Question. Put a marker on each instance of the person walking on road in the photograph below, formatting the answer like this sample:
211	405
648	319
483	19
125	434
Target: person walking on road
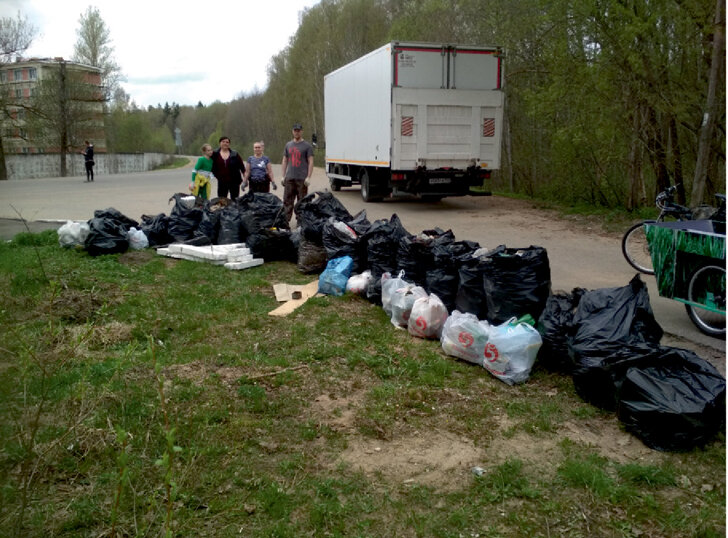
296	169
88	159
229	169
258	171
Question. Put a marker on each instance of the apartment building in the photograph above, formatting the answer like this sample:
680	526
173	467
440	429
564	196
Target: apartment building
20	84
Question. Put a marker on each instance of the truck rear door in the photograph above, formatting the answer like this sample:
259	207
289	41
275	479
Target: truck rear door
446	108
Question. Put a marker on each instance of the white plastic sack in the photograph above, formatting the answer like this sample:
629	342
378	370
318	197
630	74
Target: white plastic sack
344	229
428	317
187	202
389	285
511	351
73	233
359	283
403	299
465	336
137	239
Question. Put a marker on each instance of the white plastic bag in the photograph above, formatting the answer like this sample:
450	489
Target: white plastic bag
427	318
403	299
137	239
465	336
511	351
344	229
359	283
73	233
389	286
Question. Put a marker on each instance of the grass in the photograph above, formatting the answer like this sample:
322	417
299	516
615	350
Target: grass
175	162
141	396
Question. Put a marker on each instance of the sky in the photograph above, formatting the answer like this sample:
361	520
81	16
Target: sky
173	52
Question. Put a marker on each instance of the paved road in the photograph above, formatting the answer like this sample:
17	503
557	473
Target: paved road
579	257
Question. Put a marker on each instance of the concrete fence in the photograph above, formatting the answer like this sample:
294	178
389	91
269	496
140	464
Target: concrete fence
49	165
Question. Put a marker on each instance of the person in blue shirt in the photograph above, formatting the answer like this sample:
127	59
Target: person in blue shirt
258	171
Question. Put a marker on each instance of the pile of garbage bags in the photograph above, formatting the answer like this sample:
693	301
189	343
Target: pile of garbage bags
490	307
257	219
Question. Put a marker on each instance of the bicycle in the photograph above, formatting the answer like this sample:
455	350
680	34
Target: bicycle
634	242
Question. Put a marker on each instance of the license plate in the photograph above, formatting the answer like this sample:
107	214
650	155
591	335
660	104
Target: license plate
439	180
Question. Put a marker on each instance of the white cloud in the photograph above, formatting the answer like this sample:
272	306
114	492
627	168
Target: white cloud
182	52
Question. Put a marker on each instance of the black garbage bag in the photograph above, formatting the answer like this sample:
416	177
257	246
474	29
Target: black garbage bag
311	257
555	326
210	223
155	228
106	236
272	244
185	216
597	379
614	320
361	225
382	244
313	211
517	281
230	222
340	240
470	296
414	253
382	241
261	211
676	402
359	222
117	216
442	278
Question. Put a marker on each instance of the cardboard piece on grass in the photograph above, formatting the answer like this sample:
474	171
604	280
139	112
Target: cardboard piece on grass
286	292
307	291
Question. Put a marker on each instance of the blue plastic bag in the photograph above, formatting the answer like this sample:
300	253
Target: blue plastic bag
334	278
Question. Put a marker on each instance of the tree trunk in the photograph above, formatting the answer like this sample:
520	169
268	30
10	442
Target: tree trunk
507	151
63	115
711	108
637	195
677	161
656	146
3	169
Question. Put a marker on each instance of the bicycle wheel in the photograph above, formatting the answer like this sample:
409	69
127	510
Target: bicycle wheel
636	250
706	293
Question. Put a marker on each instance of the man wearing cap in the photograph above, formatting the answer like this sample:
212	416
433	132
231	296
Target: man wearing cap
296	169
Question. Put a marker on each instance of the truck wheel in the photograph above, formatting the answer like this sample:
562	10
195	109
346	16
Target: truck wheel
335	185
368	191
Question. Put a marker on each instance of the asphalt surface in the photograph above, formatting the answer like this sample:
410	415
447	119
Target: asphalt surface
579	257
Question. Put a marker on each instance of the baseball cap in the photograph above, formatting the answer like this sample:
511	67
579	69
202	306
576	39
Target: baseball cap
297	126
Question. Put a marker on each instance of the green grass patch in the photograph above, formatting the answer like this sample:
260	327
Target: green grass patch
147	396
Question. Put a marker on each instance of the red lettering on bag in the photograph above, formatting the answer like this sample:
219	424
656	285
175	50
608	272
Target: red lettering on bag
491	353
466	339
421	323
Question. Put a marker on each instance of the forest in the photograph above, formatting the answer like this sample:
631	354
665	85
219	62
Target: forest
607	101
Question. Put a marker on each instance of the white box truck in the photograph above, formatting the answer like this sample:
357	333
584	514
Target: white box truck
418	119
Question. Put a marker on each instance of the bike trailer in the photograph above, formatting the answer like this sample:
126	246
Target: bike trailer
681	249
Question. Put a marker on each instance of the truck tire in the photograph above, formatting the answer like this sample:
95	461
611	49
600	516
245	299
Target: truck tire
335	185
369	192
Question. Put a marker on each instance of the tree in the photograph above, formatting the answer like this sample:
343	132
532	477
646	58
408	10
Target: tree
93	47
66	108
711	108
16	35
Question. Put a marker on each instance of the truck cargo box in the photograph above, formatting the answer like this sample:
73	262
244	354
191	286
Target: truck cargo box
415	118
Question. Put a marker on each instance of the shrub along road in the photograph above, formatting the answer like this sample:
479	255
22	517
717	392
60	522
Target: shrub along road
580	254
